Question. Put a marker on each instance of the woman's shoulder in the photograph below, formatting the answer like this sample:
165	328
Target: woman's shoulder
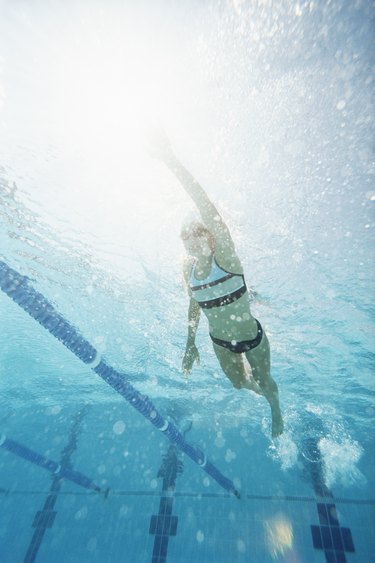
188	262
228	261
187	266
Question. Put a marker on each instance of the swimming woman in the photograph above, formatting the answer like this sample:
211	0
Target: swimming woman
216	285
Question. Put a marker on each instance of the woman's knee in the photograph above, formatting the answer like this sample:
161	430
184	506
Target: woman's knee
262	375
236	379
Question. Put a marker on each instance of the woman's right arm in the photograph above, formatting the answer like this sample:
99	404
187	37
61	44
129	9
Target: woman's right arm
191	352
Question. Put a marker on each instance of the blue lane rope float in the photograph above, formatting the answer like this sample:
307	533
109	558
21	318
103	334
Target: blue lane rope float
55	468
18	288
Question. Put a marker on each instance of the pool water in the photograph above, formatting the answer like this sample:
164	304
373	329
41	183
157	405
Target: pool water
270	106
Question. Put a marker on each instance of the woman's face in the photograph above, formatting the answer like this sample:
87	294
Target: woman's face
197	240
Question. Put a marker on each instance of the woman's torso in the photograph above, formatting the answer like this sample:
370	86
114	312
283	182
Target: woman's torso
224	299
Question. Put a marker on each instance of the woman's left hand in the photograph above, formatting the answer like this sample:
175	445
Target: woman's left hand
159	145
191	356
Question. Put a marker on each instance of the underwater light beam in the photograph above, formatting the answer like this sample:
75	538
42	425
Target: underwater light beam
108	96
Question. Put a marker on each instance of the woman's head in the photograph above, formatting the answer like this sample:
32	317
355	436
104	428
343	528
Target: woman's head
197	238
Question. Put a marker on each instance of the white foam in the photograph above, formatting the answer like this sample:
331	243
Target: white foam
285	451
340	460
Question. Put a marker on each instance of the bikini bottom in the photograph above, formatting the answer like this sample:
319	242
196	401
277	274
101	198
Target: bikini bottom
241	347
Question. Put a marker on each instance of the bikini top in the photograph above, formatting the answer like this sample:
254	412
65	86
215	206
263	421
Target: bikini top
219	288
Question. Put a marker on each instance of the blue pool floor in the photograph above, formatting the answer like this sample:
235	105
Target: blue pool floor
210	528
178	514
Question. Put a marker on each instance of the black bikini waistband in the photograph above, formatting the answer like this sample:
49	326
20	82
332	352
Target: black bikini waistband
225	300
241	347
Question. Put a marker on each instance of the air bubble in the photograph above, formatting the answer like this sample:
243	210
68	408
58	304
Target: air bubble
200	536
118	427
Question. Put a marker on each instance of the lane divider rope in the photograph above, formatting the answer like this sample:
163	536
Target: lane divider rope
19	289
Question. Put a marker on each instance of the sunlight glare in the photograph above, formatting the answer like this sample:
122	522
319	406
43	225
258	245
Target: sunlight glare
278	535
114	95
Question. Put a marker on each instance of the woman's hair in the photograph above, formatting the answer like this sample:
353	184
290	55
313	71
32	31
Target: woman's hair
196	228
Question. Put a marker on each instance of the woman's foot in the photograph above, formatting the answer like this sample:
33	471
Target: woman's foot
277	423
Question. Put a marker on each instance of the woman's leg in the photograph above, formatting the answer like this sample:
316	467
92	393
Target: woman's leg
260	361
236	369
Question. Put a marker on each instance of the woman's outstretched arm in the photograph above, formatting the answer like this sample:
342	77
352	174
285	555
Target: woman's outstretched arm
210	216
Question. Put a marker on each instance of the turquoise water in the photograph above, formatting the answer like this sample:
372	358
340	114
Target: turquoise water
270	106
